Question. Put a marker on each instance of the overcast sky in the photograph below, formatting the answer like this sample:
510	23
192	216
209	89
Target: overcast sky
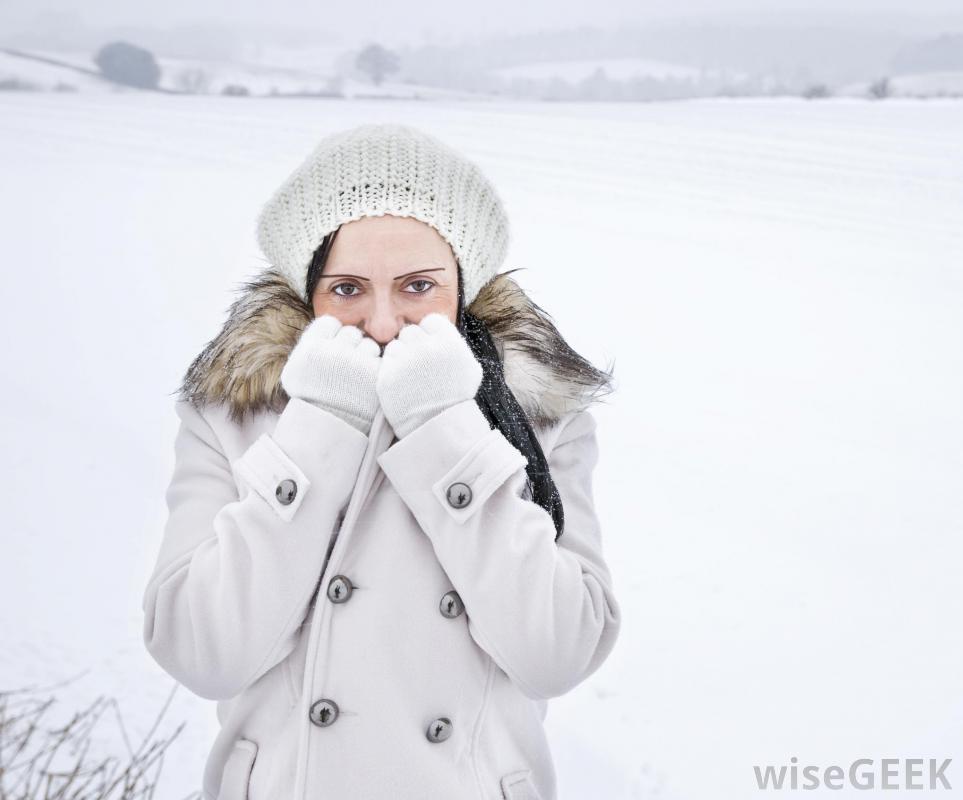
439	20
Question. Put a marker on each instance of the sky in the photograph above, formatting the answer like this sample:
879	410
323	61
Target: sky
425	21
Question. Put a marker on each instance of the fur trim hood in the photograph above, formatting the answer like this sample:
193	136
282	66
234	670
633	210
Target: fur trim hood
242	365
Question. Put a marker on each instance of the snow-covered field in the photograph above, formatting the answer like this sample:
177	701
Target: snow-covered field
781	285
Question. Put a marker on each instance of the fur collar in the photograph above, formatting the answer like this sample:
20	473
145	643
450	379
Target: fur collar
242	365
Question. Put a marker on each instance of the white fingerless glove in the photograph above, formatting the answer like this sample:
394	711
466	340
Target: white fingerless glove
335	366
429	367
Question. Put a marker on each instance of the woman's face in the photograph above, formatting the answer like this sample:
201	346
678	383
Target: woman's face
385	272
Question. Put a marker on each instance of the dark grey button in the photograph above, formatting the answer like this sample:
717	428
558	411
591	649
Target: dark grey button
324	712
459	495
439	730
451	605
286	491
339	589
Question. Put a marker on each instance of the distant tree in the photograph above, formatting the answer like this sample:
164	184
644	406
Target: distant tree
128	64
598	86
881	89
816	91
375	61
235	90
193	80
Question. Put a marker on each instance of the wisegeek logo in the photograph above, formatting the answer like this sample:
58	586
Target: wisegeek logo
863	773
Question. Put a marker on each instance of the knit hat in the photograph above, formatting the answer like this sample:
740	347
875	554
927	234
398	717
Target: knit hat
378	169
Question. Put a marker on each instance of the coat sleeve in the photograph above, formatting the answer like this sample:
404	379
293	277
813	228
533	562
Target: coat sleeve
237	570
543	610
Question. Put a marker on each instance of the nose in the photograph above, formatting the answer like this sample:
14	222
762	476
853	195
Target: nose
384	323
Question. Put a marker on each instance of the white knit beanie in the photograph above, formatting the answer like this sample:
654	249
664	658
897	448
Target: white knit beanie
378	169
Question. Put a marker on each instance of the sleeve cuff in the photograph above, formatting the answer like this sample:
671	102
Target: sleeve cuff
455	458
467	485
305	441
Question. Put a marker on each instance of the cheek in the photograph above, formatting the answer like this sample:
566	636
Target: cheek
441	304
344	313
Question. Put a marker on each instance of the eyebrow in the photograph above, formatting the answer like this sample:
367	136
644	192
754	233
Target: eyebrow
396	278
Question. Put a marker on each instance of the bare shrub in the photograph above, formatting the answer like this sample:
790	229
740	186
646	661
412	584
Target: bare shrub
235	90
816	91
193	80
15	84
881	89
40	761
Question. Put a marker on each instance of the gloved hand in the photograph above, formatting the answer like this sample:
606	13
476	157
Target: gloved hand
425	370
335	366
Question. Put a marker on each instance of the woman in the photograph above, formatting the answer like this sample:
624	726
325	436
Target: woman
382	556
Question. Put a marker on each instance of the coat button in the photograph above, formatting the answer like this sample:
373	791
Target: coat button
459	495
339	589
286	491
439	730
324	712
451	605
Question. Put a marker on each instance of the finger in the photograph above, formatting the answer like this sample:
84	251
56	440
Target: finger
411	334
436	322
350	334
369	347
393	349
325	326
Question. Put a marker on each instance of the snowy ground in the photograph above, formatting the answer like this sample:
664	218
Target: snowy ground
780	284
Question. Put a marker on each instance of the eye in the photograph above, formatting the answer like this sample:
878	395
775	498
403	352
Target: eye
423	281
344	285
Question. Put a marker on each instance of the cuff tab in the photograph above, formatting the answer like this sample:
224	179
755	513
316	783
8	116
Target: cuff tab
270	472
467	485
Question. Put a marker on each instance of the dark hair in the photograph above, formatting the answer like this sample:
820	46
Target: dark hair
494	398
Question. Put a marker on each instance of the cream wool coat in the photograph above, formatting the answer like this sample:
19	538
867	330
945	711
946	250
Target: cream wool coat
241	607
